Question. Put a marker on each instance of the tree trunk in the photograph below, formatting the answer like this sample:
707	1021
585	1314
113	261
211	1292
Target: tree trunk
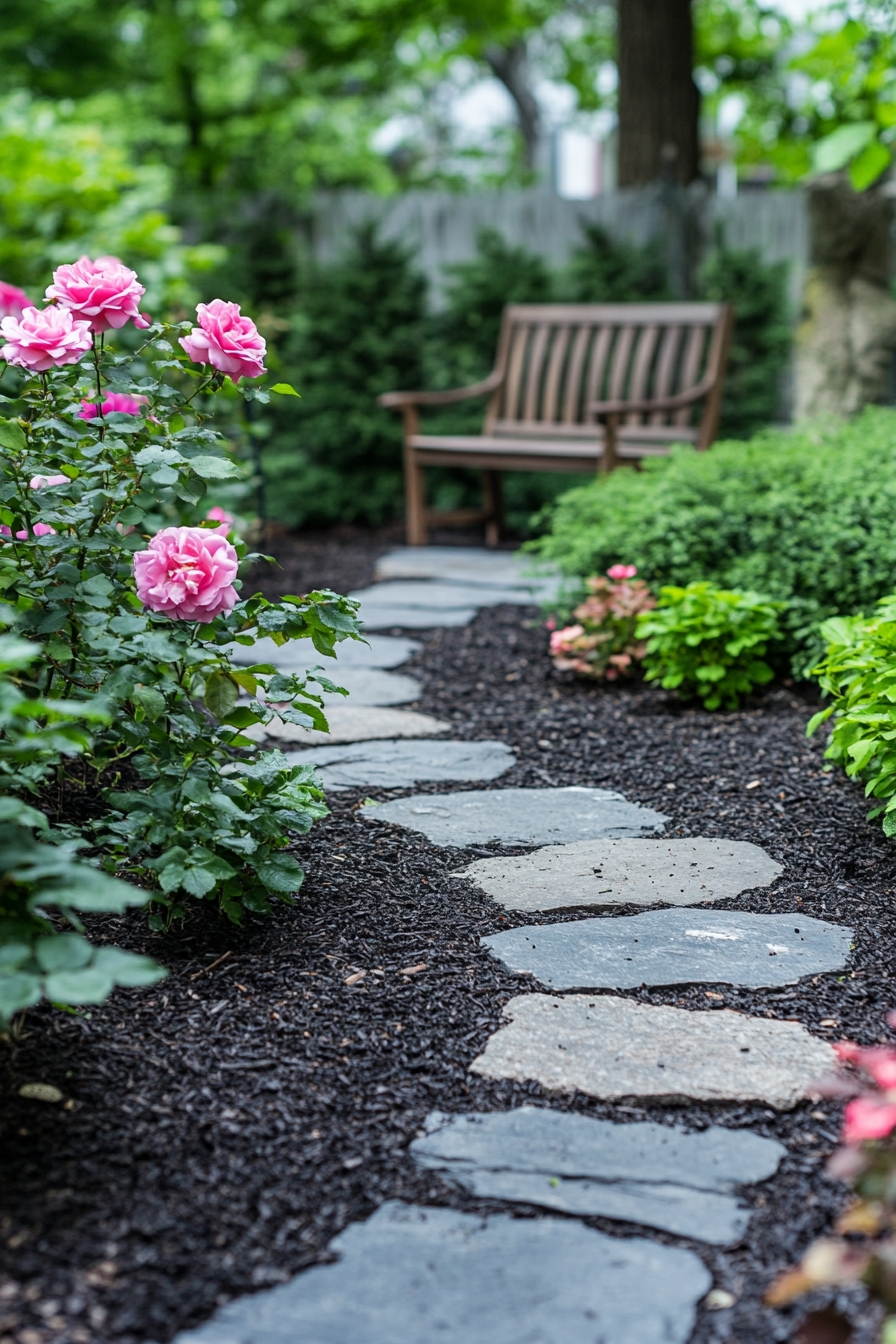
510	66
659	104
845	342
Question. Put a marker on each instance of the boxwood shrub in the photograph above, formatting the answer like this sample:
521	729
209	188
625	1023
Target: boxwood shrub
804	516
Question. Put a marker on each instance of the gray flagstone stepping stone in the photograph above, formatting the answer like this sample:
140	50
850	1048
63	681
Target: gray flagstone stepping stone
352	723
630	872
412	1275
641	1173
371	686
434	595
396	765
464	564
518	816
674	947
611	1047
415	618
376	651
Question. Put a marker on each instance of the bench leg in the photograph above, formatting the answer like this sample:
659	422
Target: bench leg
494	504
414	483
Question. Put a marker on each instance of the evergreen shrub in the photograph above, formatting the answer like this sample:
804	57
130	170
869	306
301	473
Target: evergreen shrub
803	515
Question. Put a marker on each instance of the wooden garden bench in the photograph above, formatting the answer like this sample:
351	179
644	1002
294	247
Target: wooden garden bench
575	387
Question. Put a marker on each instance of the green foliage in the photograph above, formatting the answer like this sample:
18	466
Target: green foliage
761	340
192	816
703	641
803	515
67	187
858	672
44	885
335	456
604	271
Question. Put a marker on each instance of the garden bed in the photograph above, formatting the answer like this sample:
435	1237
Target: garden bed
220	1127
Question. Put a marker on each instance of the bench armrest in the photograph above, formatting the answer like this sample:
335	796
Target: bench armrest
398	400
646	404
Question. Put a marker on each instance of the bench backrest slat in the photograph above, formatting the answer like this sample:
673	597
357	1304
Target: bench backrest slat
558	358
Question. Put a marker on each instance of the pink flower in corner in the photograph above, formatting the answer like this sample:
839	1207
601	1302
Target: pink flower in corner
868	1118
105	292
226	340
187	573
13	301
41	482
562	637
115	401
618	572
44	339
220	516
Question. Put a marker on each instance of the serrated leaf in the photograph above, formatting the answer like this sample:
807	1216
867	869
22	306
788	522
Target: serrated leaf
281	873
12	437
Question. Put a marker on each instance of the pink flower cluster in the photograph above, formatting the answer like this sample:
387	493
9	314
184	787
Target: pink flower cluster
187	573
602	642
39	529
226	340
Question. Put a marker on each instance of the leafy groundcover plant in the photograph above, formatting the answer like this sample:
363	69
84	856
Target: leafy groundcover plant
111	559
863	1249
703	641
602	644
858	672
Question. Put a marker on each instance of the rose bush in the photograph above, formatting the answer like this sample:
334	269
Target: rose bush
137	604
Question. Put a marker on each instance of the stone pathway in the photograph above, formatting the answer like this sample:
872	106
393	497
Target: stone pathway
432	1274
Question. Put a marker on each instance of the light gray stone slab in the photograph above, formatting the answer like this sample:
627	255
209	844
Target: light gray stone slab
462	564
412	1275
371	686
624	872
435	595
518	816
674	947
415	618
397	765
351	723
611	1047
641	1173
299	654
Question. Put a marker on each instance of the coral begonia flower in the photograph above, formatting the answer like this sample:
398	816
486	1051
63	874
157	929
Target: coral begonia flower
868	1118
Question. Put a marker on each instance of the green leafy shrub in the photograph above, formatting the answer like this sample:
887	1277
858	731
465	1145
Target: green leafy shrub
44	885
703	641
761	340
335	457
858	672
605	271
804	515
602	642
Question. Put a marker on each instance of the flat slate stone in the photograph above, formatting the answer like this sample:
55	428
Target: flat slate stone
397	765
611	1047
371	686
640	1173
464	564
630	872
299	654
518	816
674	947
435	595
352	723
412	1275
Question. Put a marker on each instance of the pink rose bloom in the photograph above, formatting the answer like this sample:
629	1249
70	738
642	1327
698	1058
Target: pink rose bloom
104	292
220	516
868	1118
115	401
226	340
619	572
39	530
41	482
44	339
13	301
187	573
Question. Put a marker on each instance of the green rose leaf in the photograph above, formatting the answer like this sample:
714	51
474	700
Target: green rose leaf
285	390
215	468
221	694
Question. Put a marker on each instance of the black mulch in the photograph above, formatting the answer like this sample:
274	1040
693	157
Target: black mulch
221	1127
